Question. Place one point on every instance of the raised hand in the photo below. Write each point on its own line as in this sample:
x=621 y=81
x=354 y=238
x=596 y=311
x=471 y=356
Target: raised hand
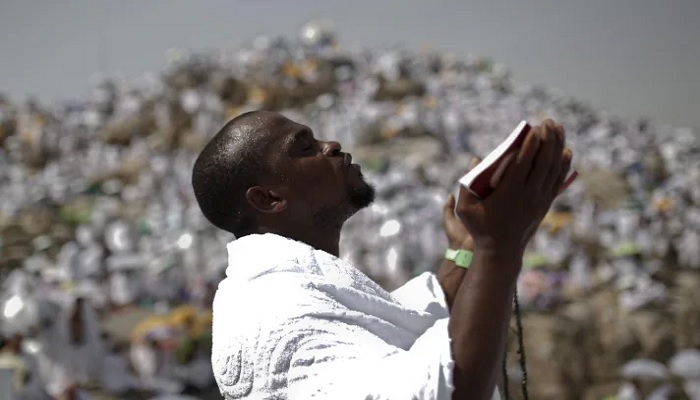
x=508 y=218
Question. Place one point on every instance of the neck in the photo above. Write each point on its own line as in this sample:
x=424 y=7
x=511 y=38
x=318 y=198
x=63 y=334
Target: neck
x=327 y=239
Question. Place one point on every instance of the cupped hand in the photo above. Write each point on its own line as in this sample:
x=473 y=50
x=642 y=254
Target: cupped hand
x=507 y=219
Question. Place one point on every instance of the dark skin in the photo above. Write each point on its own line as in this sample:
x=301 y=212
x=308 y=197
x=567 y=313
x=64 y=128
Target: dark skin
x=307 y=194
x=311 y=189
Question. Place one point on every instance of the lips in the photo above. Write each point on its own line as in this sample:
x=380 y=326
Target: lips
x=349 y=166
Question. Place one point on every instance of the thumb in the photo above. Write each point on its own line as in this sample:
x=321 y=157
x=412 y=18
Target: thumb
x=449 y=207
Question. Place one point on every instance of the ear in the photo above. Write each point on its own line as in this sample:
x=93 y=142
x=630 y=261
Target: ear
x=265 y=200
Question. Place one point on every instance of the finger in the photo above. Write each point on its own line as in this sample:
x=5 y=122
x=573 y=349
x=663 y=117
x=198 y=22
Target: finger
x=474 y=162
x=557 y=161
x=567 y=156
x=449 y=207
x=496 y=177
x=448 y=210
x=543 y=161
x=558 y=129
x=526 y=155
x=561 y=133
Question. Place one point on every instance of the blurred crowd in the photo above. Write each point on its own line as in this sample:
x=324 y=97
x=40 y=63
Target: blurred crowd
x=108 y=265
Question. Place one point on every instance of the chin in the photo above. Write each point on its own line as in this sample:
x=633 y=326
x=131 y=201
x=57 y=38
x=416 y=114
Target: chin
x=361 y=195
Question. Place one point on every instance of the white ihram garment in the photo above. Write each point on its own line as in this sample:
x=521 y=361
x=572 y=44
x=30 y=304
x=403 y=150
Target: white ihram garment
x=292 y=322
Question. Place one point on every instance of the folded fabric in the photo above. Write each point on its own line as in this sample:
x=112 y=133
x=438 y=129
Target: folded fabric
x=297 y=323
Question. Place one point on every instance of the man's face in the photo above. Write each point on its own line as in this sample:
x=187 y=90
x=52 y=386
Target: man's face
x=316 y=178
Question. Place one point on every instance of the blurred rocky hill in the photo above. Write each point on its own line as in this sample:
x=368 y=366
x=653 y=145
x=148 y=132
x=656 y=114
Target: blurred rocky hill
x=95 y=196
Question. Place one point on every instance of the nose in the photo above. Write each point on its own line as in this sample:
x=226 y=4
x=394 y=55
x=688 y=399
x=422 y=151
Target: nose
x=331 y=148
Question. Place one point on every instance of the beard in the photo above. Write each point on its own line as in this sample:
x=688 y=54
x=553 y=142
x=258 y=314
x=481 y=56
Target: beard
x=362 y=196
x=335 y=216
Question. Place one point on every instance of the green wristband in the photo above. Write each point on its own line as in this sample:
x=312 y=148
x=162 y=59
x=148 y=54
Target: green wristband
x=462 y=258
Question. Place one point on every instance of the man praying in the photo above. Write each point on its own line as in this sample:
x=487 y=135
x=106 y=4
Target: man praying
x=294 y=321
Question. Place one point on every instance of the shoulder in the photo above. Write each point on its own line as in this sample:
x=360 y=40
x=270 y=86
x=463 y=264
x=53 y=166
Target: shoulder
x=268 y=300
x=254 y=256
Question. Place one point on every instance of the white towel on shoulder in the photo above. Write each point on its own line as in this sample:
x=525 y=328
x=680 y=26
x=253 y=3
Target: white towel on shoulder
x=292 y=322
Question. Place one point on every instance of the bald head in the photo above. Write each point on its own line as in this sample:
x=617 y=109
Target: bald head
x=263 y=172
x=228 y=165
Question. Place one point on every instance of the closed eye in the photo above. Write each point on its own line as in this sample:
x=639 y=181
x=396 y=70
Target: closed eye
x=309 y=147
x=304 y=143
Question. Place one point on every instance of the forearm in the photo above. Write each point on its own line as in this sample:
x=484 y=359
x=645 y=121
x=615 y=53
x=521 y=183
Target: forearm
x=449 y=273
x=450 y=277
x=479 y=320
